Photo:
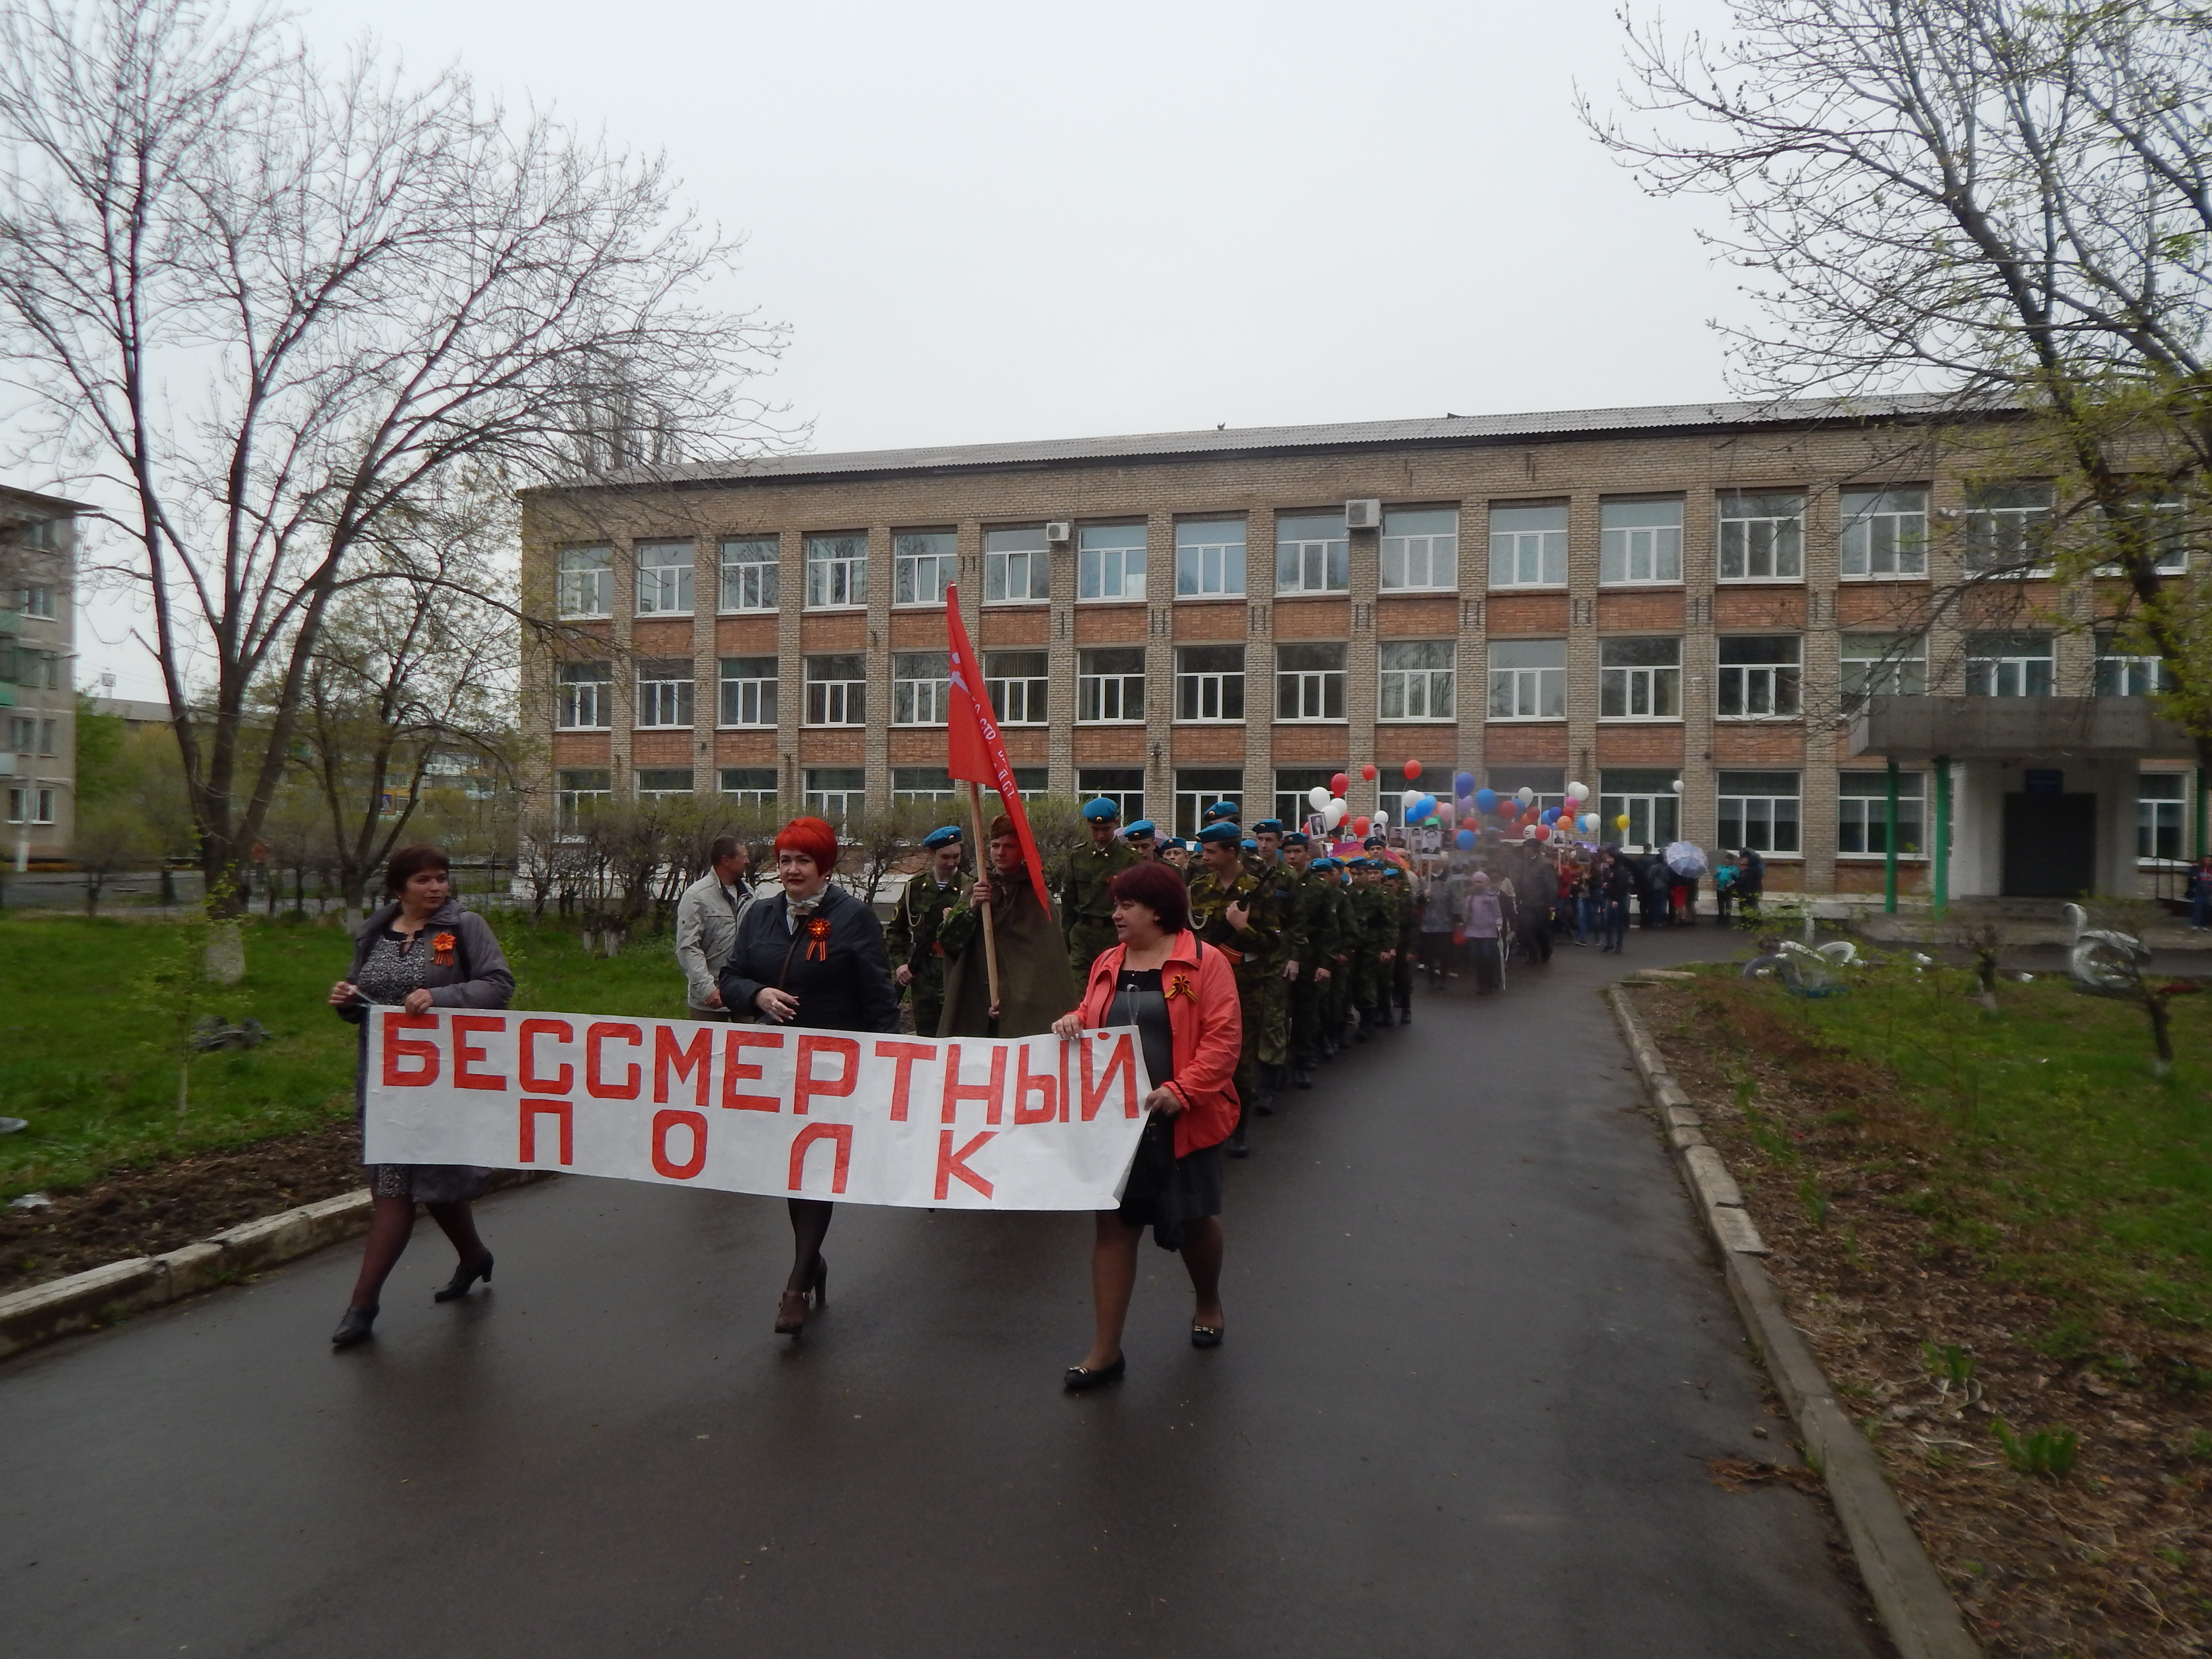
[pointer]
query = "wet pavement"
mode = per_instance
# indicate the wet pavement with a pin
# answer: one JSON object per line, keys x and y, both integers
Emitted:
{"x": 1477, "y": 1355}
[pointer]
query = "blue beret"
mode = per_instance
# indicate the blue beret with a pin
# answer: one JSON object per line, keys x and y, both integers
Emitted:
{"x": 1268, "y": 827}
{"x": 1176, "y": 841}
{"x": 1101, "y": 811}
{"x": 1298, "y": 838}
{"x": 1221, "y": 809}
{"x": 1221, "y": 834}
{"x": 1248, "y": 844}
{"x": 945, "y": 838}
{"x": 1329, "y": 863}
{"x": 1140, "y": 830}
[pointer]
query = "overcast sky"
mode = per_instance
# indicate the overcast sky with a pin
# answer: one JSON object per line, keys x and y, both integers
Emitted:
{"x": 988, "y": 221}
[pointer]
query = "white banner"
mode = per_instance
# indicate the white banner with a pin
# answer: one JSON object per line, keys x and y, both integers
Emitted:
{"x": 975, "y": 1123}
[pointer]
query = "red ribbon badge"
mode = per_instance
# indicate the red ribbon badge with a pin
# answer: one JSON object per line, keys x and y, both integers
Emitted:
{"x": 441, "y": 950}
{"x": 817, "y": 939}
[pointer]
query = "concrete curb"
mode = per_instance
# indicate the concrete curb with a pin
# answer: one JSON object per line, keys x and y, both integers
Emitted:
{"x": 100, "y": 1295}
{"x": 1915, "y": 1605}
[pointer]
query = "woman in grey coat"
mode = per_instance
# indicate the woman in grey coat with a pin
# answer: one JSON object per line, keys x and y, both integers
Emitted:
{"x": 419, "y": 952}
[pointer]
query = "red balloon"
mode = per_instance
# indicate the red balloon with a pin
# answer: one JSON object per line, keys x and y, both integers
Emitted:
{"x": 1338, "y": 785}
{"x": 1367, "y": 771}
{"x": 1543, "y": 832}
{"x": 1360, "y": 826}
{"x": 1412, "y": 770}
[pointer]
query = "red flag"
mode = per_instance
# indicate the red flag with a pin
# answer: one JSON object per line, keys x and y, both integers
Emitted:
{"x": 973, "y": 753}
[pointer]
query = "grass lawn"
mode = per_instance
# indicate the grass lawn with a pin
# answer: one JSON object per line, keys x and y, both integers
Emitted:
{"x": 86, "y": 1055}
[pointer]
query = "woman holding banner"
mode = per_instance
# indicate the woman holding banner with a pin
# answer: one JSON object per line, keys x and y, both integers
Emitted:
{"x": 1182, "y": 997}
{"x": 817, "y": 959}
{"x": 420, "y": 952}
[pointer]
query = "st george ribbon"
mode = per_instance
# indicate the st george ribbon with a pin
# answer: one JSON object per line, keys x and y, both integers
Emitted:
{"x": 975, "y": 1123}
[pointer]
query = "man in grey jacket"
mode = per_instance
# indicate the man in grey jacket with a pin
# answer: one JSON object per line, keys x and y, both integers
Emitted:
{"x": 707, "y": 918}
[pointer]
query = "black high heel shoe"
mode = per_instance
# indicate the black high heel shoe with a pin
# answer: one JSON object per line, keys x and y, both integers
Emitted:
{"x": 1080, "y": 1380}
{"x": 357, "y": 1326}
{"x": 464, "y": 1278}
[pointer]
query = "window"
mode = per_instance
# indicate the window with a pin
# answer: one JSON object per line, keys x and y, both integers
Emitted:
{"x": 1547, "y": 783}
{"x": 922, "y": 687}
{"x": 1016, "y": 566}
{"x": 1197, "y": 789}
{"x": 23, "y": 734}
{"x": 31, "y": 804}
{"x": 922, "y": 563}
{"x": 837, "y": 793}
{"x": 1015, "y": 683}
{"x": 1209, "y": 683}
{"x": 1882, "y": 665}
{"x": 1294, "y": 787}
{"x": 1863, "y": 813}
{"x": 1639, "y": 679}
{"x": 1308, "y": 681}
{"x": 664, "y": 579}
{"x": 1759, "y": 676}
{"x": 1420, "y": 550}
{"x": 837, "y": 691}
{"x": 1528, "y": 679}
{"x": 1415, "y": 680}
{"x": 2161, "y": 815}
{"x": 2009, "y": 666}
{"x": 38, "y": 601}
{"x": 1646, "y": 796}
{"x": 2121, "y": 673}
{"x": 48, "y": 731}
{"x": 664, "y": 691}
{"x": 749, "y": 574}
{"x": 2167, "y": 530}
{"x": 1109, "y": 685}
{"x": 1639, "y": 542}
{"x": 576, "y": 792}
{"x": 655, "y": 782}
{"x": 1885, "y": 533}
{"x": 1122, "y": 785}
{"x": 1109, "y": 561}
{"x": 1210, "y": 559}
{"x": 583, "y": 697}
{"x": 1759, "y": 810}
{"x": 1762, "y": 538}
{"x": 584, "y": 586}
{"x": 1031, "y": 781}
{"x": 2005, "y": 526}
{"x": 1528, "y": 546}
{"x": 748, "y": 785}
{"x": 1313, "y": 554}
{"x": 923, "y": 783}
{"x": 749, "y": 690}
{"x": 837, "y": 571}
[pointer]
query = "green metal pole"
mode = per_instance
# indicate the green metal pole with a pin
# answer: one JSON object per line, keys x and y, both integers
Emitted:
{"x": 1889, "y": 844}
{"x": 1940, "y": 868}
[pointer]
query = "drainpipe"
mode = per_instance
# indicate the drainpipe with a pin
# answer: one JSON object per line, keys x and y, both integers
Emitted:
{"x": 1889, "y": 842}
{"x": 1939, "y": 870}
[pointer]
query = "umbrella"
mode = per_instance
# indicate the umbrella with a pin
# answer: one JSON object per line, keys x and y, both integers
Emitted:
{"x": 1685, "y": 859}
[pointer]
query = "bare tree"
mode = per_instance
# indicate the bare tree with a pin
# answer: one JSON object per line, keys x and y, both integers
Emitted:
{"x": 269, "y": 299}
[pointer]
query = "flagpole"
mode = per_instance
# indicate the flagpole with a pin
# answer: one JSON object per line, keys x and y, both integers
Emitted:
{"x": 983, "y": 878}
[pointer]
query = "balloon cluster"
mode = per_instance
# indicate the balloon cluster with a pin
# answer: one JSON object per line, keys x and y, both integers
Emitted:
{"x": 1518, "y": 812}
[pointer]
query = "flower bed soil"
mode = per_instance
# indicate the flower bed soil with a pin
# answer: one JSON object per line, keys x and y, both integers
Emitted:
{"x": 145, "y": 1211}
{"x": 2114, "y": 1559}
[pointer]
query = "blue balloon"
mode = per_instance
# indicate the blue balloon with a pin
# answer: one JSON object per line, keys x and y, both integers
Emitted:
{"x": 1465, "y": 841}
{"x": 1549, "y": 815}
{"x": 1463, "y": 784}
{"x": 1485, "y": 800}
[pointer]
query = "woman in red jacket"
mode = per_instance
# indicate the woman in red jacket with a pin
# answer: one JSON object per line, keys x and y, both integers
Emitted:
{"x": 1182, "y": 997}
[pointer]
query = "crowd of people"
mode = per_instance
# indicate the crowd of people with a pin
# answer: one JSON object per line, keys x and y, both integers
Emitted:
{"x": 1246, "y": 963}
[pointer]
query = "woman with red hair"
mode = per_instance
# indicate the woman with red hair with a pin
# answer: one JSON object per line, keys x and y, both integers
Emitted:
{"x": 1182, "y": 997}
{"x": 814, "y": 958}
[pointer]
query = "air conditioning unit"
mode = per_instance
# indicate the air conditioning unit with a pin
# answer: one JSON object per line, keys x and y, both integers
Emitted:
{"x": 1060, "y": 532}
{"x": 1363, "y": 515}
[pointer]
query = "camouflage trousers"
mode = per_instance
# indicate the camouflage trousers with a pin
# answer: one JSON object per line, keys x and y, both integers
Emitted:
{"x": 1086, "y": 942}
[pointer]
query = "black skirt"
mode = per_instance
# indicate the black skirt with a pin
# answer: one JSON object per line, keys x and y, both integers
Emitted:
{"x": 1164, "y": 1191}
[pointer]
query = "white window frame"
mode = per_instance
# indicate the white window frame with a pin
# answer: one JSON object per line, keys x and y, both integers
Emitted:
{"x": 749, "y": 581}
{"x": 1310, "y": 563}
{"x": 1759, "y": 691}
{"x": 1639, "y": 554}
{"x": 1884, "y": 539}
{"x": 837, "y": 565}
{"x": 921, "y": 568}
{"x": 1863, "y": 814}
{"x": 569, "y": 799}
{"x": 664, "y": 587}
{"x": 666, "y": 702}
{"x": 1639, "y": 689}
{"x": 38, "y": 601}
{"x": 1108, "y": 697}
{"x": 1528, "y": 691}
{"x": 1657, "y": 812}
{"x": 1018, "y": 699}
{"x": 1998, "y": 538}
{"x": 919, "y": 700}
{"x": 1758, "y": 813}
{"x": 1209, "y": 688}
{"x": 2165, "y": 812}
{"x": 584, "y": 583}
{"x": 1890, "y": 673}
{"x": 1017, "y": 565}
{"x": 835, "y": 702}
{"x": 2138, "y": 675}
{"x": 1128, "y": 797}
{"x": 743, "y": 691}
{"x": 1989, "y": 674}
{"x": 1312, "y": 696}
{"x": 571, "y": 704}
{"x": 1421, "y": 693}
{"x": 637, "y": 783}
{"x": 1207, "y": 565}
{"x": 1423, "y": 561}
{"x": 1110, "y": 571}
{"x": 1511, "y": 550}
{"x": 836, "y": 803}
{"x": 1191, "y": 805}
{"x": 746, "y": 794}
{"x": 1764, "y": 546}
{"x": 941, "y": 787}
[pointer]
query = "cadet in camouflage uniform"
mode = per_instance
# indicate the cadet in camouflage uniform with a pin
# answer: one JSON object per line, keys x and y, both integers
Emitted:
{"x": 917, "y": 959}
{"x": 1266, "y": 867}
{"x": 1313, "y": 925}
{"x": 1400, "y": 886}
{"x": 1224, "y": 895}
{"x": 1080, "y": 886}
{"x": 1374, "y": 933}
{"x": 1336, "y": 996}
{"x": 1141, "y": 838}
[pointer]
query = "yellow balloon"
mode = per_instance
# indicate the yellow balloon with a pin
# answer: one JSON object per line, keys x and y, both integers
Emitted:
{"x": 1621, "y": 822}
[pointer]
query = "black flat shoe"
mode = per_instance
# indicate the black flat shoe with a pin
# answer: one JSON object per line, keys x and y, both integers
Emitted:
{"x": 1206, "y": 1336}
{"x": 463, "y": 1278}
{"x": 1080, "y": 1380}
{"x": 357, "y": 1326}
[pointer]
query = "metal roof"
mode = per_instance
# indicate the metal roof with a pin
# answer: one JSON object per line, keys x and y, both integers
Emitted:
{"x": 15, "y": 500}
{"x": 1446, "y": 430}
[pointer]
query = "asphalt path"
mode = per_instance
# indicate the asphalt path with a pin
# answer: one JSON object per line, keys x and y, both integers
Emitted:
{"x": 1478, "y": 1356}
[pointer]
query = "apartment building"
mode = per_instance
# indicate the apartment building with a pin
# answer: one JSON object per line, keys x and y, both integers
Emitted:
{"x": 1681, "y": 606}
{"x": 38, "y": 656}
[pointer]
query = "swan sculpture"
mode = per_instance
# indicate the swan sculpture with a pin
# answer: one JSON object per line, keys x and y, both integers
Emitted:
{"x": 2102, "y": 960}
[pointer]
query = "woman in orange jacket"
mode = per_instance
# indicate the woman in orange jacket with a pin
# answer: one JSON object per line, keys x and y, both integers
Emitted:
{"x": 1182, "y": 997}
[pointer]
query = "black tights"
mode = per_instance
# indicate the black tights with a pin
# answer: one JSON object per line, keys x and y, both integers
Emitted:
{"x": 391, "y": 1223}
{"x": 809, "y": 1225}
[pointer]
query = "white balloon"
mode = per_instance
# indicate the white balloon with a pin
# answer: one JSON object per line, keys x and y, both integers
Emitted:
{"x": 1409, "y": 800}
{"x": 1524, "y": 794}
{"x": 1318, "y": 797}
{"x": 1578, "y": 792}
{"x": 1380, "y": 818}
{"x": 1333, "y": 813}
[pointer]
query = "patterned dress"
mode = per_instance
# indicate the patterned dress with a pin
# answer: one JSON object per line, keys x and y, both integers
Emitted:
{"x": 397, "y": 964}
